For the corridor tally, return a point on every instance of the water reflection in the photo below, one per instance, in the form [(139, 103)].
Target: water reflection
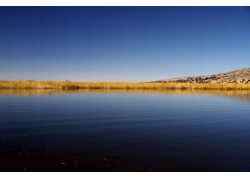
[(243, 95), (124, 130)]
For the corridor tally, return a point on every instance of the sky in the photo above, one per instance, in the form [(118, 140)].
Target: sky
[(122, 43)]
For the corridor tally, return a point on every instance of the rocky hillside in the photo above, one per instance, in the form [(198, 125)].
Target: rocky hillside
[(237, 76)]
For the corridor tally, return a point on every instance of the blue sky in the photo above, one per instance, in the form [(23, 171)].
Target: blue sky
[(122, 43)]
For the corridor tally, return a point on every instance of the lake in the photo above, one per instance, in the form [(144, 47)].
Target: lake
[(98, 130)]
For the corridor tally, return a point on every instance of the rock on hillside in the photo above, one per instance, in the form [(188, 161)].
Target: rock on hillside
[(237, 76)]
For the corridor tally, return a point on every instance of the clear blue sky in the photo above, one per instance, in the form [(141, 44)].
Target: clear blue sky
[(122, 43)]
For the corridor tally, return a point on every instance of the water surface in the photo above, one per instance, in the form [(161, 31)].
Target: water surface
[(124, 130)]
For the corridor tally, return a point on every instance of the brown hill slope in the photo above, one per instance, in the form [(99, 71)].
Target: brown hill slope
[(237, 76)]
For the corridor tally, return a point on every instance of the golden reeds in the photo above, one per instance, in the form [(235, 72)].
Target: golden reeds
[(117, 85)]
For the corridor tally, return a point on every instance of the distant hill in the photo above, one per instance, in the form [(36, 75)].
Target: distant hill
[(237, 76)]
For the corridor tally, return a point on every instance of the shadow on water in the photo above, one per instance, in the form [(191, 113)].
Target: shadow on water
[(243, 95)]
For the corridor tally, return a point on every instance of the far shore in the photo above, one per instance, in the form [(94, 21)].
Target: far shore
[(37, 84)]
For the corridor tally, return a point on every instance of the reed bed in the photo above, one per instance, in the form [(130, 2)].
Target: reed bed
[(117, 85)]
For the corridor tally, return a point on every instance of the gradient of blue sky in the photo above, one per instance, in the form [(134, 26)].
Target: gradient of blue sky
[(122, 43)]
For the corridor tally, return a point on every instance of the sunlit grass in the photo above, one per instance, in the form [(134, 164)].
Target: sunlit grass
[(116, 85)]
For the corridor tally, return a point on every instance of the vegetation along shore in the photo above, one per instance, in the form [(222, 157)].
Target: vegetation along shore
[(26, 84)]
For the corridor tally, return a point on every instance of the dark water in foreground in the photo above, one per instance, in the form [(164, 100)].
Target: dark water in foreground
[(113, 131)]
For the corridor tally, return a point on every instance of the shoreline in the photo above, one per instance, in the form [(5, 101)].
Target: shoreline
[(67, 85)]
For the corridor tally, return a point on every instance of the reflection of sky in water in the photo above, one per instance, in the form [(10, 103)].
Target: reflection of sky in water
[(192, 131)]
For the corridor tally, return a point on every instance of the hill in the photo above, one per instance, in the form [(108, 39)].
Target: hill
[(236, 76)]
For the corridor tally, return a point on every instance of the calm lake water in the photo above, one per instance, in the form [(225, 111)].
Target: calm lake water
[(124, 131)]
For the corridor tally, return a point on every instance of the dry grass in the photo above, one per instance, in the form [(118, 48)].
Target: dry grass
[(117, 85)]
